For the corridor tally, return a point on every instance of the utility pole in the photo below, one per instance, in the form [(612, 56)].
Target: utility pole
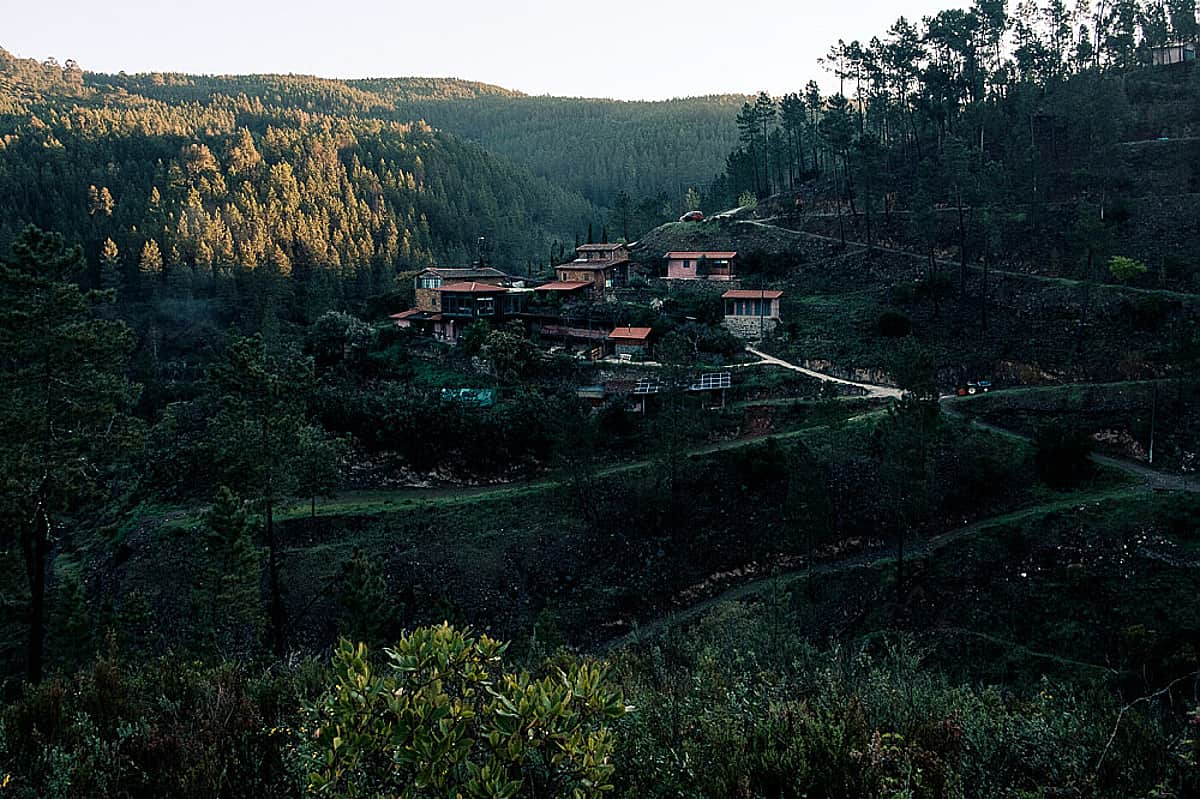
[(1153, 420), (762, 295)]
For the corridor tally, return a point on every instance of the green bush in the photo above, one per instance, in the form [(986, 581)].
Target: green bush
[(1063, 456), (161, 728), (893, 324), (438, 717)]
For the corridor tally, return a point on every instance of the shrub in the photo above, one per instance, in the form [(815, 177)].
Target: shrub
[(1063, 456), (438, 717), (163, 728), (1122, 268), (894, 324)]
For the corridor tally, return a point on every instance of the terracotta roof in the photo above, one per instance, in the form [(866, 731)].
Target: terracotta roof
[(417, 315), (751, 294), (637, 333), (716, 256), (563, 285), (598, 247), (592, 265), (464, 273), (473, 288)]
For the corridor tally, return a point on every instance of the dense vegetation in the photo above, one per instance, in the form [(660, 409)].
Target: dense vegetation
[(250, 546), (232, 182), (598, 148)]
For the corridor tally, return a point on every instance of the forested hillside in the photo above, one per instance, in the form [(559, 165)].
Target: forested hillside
[(1038, 134), (194, 186), (596, 147), (884, 483)]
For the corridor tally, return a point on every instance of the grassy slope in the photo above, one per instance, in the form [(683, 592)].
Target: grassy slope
[(505, 558), (834, 298)]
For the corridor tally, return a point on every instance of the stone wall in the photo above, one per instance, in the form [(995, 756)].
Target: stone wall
[(428, 299), (749, 327)]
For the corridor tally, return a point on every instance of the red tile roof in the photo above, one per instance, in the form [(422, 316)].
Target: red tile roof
[(751, 294), (592, 265), (716, 256), (464, 273), (598, 247), (405, 314), (473, 288), (636, 333), (563, 285)]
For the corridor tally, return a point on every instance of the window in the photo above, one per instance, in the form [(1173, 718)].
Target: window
[(429, 282), (485, 306), (456, 304)]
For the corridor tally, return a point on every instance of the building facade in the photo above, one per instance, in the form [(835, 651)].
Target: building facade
[(751, 314), (700, 265)]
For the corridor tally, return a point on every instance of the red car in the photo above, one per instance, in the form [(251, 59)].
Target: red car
[(692, 216)]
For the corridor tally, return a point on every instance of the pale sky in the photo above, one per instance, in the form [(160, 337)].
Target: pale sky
[(628, 49)]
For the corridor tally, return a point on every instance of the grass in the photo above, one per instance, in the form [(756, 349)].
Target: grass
[(366, 502), (1052, 590)]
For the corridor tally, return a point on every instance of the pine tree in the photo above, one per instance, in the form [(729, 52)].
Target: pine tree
[(64, 410), (368, 610), (225, 589), (111, 278), (72, 626), (255, 439), (150, 266)]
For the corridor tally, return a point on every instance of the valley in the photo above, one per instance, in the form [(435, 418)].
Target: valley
[(421, 437)]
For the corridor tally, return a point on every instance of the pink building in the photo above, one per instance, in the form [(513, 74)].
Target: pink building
[(700, 265)]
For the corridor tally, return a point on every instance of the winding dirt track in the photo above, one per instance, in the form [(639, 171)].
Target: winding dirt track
[(1151, 480)]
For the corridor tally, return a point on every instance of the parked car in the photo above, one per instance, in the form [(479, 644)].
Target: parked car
[(692, 216), (973, 387)]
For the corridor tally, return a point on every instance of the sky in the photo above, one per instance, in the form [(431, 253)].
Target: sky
[(626, 49)]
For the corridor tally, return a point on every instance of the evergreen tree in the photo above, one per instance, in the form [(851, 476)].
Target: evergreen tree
[(259, 438), (111, 277), (64, 415), (368, 610), (226, 586)]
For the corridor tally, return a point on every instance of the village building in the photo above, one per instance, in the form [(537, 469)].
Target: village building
[(751, 313), (706, 265), (630, 342), (564, 290), (602, 266), (461, 304), (1168, 54), (428, 282)]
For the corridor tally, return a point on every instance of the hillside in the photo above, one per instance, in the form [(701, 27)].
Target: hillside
[(877, 476), (595, 147), (204, 183)]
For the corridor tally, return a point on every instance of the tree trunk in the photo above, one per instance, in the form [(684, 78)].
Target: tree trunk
[(837, 193), (277, 613), (933, 285), (962, 250), (1085, 304), (849, 185), (35, 568), (983, 298), (278, 617)]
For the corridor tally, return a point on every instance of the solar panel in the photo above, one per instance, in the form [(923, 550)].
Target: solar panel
[(713, 381), (647, 386)]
